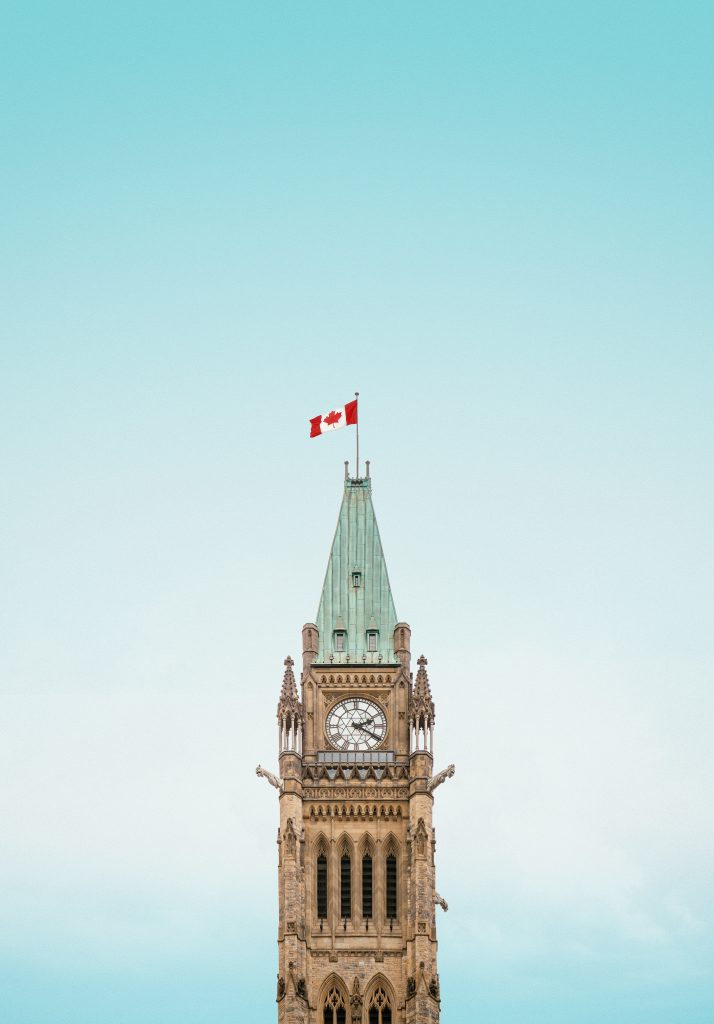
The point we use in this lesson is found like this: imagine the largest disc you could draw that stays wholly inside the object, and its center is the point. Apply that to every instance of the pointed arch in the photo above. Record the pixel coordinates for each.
(345, 844)
(379, 1001)
(333, 1001)
(391, 844)
(367, 844)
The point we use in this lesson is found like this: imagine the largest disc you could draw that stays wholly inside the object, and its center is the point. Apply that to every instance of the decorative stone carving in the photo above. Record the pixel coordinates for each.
(273, 780)
(281, 989)
(421, 838)
(356, 1003)
(441, 902)
(290, 838)
(436, 780)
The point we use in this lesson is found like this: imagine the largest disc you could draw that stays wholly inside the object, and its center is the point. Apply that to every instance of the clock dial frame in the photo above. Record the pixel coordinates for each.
(356, 723)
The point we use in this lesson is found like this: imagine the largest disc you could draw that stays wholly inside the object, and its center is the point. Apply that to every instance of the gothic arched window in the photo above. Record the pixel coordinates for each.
(391, 887)
(367, 885)
(345, 885)
(334, 1011)
(322, 886)
(380, 1007)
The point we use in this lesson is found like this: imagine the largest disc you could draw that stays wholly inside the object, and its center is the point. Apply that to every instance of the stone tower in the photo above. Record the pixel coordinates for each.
(356, 887)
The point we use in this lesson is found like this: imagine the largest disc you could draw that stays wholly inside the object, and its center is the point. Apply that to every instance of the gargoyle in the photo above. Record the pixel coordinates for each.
(436, 780)
(269, 777)
(441, 902)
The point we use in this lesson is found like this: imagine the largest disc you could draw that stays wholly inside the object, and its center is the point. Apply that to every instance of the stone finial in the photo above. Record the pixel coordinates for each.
(421, 702)
(421, 709)
(422, 690)
(289, 699)
(290, 717)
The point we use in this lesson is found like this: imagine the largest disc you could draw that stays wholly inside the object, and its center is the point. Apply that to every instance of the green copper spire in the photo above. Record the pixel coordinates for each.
(356, 617)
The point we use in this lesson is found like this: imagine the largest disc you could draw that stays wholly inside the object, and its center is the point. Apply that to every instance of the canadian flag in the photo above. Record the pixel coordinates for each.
(335, 419)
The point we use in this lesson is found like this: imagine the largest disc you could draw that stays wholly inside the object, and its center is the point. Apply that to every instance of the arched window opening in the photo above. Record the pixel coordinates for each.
(380, 1008)
(334, 1012)
(391, 892)
(345, 886)
(366, 886)
(322, 886)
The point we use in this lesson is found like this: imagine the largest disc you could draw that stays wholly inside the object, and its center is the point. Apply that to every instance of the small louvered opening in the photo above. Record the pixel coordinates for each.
(322, 886)
(391, 886)
(345, 886)
(366, 887)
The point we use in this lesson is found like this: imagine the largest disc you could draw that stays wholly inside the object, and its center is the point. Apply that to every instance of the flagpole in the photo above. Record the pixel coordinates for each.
(357, 425)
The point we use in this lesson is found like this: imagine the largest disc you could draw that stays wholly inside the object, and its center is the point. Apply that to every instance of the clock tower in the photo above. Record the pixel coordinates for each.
(356, 872)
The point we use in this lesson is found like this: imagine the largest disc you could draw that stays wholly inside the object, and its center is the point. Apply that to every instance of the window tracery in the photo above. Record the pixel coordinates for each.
(380, 1007)
(334, 1011)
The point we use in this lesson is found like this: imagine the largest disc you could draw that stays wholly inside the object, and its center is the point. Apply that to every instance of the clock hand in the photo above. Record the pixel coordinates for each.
(369, 732)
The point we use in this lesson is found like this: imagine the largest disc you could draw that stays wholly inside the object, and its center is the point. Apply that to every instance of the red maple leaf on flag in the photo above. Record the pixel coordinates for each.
(332, 417)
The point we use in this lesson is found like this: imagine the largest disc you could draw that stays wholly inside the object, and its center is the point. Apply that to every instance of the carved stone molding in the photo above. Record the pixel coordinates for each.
(355, 793)
(358, 679)
(352, 811)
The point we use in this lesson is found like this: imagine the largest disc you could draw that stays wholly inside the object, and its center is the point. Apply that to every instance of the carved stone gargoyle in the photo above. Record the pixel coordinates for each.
(436, 780)
(273, 780)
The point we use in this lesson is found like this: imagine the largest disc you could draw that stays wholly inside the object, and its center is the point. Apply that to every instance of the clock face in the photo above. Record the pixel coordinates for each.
(356, 724)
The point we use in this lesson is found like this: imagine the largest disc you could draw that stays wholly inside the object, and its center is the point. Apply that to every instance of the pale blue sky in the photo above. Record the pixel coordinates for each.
(496, 222)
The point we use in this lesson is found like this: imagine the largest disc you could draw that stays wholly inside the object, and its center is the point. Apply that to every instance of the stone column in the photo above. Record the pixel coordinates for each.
(402, 644)
(292, 956)
(310, 640)
(422, 987)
